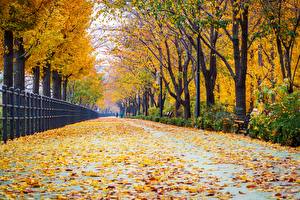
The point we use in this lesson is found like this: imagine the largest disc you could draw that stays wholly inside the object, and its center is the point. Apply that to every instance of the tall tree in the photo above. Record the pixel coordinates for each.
(283, 17)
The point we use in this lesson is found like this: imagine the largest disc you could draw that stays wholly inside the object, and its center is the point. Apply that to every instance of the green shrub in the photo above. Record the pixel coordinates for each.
(188, 123)
(286, 120)
(138, 117)
(228, 123)
(212, 118)
(280, 122)
(215, 118)
(179, 121)
(163, 120)
(171, 121)
(156, 119)
(259, 127)
(153, 111)
(147, 117)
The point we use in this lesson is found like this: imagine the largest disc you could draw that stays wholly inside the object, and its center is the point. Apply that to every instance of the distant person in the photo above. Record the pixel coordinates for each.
(117, 115)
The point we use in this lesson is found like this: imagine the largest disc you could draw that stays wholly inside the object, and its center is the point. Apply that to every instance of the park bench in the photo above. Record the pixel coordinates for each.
(169, 114)
(242, 125)
(226, 125)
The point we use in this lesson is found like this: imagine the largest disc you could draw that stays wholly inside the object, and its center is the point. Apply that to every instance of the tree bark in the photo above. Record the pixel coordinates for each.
(212, 73)
(56, 84)
(177, 105)
(210, 96)
(240, 58)
(8, 58)
(240, 97)
(134, 106)
(143, 105)
(146, 103)
(160, 101)
(152, 100)
(285, 62)
(19, 65)
(288, 60)
(127, 107)
(186, 82)
(177, 83)
(197, 106)
(244, 63)
(36, 80)
(46, 80)
(64, 90)
(138, 104)
(187, 103)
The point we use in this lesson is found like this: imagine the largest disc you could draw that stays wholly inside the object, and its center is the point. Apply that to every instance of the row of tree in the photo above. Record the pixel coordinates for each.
(237, 45)
(48, 39)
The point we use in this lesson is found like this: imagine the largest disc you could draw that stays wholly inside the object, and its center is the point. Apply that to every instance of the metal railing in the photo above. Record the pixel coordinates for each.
(25, 113)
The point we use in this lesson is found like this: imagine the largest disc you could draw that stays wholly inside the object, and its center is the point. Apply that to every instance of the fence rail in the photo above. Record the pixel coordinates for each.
(25, 113)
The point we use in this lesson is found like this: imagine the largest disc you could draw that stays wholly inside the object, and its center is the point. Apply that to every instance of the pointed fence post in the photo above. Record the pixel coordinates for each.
(4, 113)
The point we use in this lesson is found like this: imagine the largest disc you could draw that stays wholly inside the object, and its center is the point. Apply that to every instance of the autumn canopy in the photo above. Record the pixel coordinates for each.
(48, 41)
(149, 99)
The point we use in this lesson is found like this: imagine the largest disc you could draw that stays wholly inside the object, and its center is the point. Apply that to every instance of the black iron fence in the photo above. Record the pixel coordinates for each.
(26, 113)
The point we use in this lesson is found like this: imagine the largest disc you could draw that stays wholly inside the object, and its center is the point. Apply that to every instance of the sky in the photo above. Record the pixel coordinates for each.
(102, 30)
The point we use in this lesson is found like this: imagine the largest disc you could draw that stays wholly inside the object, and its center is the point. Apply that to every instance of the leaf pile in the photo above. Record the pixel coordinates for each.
(112, 158)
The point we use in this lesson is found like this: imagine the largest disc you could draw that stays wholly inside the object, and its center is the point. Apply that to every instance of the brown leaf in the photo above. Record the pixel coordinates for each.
(251, 186)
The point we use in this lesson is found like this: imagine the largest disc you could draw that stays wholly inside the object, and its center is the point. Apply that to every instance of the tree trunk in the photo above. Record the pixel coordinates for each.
(177, 105)
(160, 101)
(212, 73)
(56, 84)
(128, 108)
(210, 79)
(8, 58)
(241, 82)
(187, 105)
(64, 90)
(240, 59)
(152, 100)
(187, 110)
(288, 69)
(19, 65)
(46, 80)
(36, 80)
(134, 107)
(146, 104)
(179, 88)
(281, 57)
(197, 106)
(210, 96)
(138, 104)
(285, 62)
(273, 79)
(240, 98)
(143, 105)
(187, 98)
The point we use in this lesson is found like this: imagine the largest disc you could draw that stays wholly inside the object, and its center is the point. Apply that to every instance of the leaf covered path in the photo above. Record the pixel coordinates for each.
(126, 159)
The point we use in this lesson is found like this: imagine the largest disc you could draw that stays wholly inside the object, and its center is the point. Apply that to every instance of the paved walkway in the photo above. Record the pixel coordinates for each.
(126, 159)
